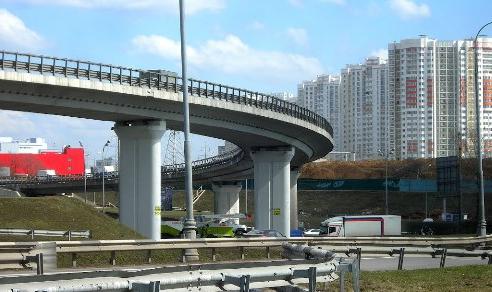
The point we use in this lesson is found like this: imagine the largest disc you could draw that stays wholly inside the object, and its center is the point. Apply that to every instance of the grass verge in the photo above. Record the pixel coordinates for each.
(465, 278)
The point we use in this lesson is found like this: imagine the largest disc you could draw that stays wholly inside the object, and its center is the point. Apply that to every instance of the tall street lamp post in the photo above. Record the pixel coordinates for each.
(103, 173)
(189, 226)
(482, 225)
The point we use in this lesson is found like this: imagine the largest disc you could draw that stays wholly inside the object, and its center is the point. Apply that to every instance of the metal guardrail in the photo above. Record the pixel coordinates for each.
(46, 233)
(390, 248)
(402, 251)
(114, 246)
(18, 255)
(54, 66)
(197, 277)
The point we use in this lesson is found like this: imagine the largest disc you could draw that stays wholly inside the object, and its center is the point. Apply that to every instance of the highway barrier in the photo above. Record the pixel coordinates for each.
(21, 255)
(114, 246)
(199, 277)
(456, 246)
(69, 234)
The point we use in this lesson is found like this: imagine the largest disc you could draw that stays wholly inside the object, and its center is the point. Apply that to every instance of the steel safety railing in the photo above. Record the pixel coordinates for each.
(69, 234)
(160, 80)
(343, 244)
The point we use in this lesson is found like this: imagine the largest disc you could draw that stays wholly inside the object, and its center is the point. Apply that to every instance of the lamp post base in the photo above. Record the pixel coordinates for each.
(189, 232)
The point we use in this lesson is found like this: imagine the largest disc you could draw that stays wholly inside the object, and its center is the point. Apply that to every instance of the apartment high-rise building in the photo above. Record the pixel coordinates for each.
(466, 83)
(365, 110)
(285, 95)
(322, 96)
(422, 75)
(432, 85)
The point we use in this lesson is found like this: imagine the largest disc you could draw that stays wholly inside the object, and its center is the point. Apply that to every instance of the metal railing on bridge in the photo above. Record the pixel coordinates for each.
(159, 80)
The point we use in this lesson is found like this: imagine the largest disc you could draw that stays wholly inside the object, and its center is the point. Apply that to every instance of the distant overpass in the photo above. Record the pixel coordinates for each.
(276, 137)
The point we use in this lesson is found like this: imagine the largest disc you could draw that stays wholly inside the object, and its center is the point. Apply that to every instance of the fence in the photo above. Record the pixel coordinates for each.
(46, 233)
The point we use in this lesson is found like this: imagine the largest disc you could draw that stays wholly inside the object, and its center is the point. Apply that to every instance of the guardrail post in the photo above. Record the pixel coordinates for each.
(242, 252)
(153, 286)
(342, 281)
(267, 252)
(443, 257)
(355, 269)
(113, 258)
(69, 235)
(214, 254)
(32, 234)
(39, 264)
(242, 282)
(74, 260)
(149, 256)
(359, 255)
(400, 258)
(312, 279)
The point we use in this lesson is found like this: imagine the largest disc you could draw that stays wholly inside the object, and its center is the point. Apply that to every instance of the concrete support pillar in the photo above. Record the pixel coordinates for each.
(140, 176)
(294, 220)
(226, 198)
(272, 188)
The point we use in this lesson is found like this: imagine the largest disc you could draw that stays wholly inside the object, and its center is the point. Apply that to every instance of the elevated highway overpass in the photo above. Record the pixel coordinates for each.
(276, 137)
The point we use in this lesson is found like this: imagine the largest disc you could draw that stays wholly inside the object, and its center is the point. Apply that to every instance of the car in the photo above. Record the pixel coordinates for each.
(263, 233)
(311, 232)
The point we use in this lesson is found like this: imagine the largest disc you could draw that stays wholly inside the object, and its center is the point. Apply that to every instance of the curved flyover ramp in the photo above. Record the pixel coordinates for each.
(274, 135)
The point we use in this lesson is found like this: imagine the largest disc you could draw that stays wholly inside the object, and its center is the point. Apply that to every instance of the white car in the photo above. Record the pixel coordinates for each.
(311, 232)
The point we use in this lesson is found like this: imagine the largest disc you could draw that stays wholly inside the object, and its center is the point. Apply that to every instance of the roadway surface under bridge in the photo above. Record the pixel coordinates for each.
(275, 136)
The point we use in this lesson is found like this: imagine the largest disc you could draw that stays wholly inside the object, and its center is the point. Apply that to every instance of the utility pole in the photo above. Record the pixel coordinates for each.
(189, 228)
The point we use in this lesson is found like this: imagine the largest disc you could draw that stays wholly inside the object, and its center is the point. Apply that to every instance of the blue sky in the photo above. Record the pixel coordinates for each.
(260, 45)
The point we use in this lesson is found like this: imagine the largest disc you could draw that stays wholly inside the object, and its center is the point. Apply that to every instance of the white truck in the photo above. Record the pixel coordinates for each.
(364, 225)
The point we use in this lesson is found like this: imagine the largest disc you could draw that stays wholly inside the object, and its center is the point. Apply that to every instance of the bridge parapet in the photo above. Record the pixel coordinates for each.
(161, 80)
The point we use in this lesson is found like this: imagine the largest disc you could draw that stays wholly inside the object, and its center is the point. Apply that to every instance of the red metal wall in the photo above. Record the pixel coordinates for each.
(68, 162)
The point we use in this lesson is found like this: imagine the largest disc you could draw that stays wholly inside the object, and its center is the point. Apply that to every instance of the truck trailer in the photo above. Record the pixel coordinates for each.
(365, 225)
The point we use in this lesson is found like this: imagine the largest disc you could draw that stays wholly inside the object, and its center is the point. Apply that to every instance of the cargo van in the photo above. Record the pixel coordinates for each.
(365, 225)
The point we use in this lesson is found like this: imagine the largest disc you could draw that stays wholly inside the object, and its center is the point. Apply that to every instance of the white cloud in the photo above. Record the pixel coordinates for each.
(232, 56)
(381, 53)
(407, 9)
(15, 122)
(298, 35)
(192, 6)
(15, 35)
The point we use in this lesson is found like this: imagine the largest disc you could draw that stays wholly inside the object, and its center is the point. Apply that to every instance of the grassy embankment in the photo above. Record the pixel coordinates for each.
(465, 279)
(62, 213)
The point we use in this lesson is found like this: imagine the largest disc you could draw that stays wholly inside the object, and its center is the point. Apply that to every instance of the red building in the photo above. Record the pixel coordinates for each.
(68, 162)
